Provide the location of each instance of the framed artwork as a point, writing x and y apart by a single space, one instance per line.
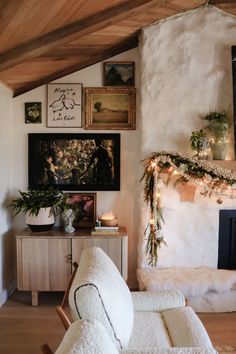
118 73
84 207
110 108
64 105
74 162
33 112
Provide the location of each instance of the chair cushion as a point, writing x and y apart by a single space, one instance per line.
185 328
99 292
85 337
149 331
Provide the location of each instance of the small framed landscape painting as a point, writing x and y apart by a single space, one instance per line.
74 162
64 105
118 73
110 108
84 207
33 112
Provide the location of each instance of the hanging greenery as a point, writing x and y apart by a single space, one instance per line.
213 180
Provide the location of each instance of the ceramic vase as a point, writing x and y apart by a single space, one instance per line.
68 218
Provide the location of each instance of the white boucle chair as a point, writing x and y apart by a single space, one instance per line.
139 322
90 337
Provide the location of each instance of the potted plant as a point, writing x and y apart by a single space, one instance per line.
218 127
39 205
199 142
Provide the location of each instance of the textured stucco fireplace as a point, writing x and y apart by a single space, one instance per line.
186 70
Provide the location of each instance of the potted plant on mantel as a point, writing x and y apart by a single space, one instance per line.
39 206
218 126
199 142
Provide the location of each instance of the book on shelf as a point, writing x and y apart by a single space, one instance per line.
105 230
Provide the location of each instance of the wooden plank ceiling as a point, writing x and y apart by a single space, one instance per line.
41 41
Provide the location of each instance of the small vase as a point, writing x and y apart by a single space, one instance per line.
219 148
219 143
68 218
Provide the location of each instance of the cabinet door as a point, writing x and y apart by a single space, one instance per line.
43 264
111 246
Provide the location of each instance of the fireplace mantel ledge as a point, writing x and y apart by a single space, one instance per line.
230 164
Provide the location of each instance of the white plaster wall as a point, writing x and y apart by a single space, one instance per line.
6 239
186 70
122 203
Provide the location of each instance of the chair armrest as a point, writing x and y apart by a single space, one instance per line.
157 301
170 351
84 337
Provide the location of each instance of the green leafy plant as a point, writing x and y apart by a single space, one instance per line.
198 139
35 199
219 116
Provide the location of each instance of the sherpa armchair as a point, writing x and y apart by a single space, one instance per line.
111 319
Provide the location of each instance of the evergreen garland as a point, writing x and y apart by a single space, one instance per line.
213 180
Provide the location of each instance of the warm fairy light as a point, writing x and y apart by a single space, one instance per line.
153 164
151 221
158 194
175 173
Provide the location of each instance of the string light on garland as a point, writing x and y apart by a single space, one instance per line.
212 180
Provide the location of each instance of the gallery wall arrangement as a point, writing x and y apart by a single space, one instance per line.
110 107
77 161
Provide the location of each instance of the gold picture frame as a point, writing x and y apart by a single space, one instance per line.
110 108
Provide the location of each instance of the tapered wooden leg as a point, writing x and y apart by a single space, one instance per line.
34 298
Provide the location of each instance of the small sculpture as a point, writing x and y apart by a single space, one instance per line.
68 217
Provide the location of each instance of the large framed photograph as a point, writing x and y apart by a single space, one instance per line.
74 161
84 207
64 105
118 73
110 108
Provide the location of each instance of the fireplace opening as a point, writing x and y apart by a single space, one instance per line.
227 239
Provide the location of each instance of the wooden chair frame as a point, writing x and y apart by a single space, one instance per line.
61 309
45 349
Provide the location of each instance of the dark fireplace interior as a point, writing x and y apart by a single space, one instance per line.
227 240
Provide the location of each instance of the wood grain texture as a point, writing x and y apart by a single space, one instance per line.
111 246
43 41
43 264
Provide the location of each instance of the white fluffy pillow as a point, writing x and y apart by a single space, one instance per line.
99 292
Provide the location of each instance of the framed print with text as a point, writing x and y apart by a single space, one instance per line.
64 105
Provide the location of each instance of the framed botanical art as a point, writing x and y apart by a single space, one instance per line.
74 162
118 73
110 108
33 112
84 207
64 105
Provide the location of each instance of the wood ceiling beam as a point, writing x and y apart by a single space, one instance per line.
120 47
73 31
221 2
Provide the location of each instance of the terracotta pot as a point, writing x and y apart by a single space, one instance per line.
43 221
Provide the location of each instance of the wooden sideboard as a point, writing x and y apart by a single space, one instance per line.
44 259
